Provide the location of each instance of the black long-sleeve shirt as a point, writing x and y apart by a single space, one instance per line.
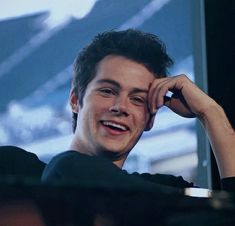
74 168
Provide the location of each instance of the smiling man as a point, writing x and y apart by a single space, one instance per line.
119 84
115 111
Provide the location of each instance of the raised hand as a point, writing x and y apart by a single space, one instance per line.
187 99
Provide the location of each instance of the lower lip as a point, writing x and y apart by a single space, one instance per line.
113 131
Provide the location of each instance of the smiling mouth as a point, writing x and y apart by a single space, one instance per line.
115 126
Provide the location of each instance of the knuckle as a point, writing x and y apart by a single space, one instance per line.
183 76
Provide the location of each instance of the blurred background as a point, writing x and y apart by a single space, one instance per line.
38 43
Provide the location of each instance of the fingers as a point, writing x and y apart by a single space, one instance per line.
159 88
187 99
156 95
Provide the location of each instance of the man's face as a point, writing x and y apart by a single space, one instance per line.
115 109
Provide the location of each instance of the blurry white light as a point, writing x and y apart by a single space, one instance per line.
4 137
15 110
198 192
64 127
30 118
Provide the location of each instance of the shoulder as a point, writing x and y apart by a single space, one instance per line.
16 162
72 167
165 179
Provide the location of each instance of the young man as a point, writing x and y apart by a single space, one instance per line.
119 84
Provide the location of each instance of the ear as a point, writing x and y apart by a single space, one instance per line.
73 100
150 122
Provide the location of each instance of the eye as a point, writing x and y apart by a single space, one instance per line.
107 91
137 100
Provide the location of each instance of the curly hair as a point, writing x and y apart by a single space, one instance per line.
144 48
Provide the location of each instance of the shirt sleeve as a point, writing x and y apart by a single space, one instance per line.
165 179
228 184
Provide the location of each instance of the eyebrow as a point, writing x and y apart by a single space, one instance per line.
113 82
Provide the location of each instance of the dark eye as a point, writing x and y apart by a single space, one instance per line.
107 91
138 100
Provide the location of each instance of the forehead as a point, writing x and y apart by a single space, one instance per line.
126 72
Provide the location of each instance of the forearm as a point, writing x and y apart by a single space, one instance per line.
222 138
190 101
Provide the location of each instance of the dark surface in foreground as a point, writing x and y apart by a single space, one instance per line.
67 206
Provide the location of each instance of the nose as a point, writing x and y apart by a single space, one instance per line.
120 106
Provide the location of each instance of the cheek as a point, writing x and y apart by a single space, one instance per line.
142 119
94 114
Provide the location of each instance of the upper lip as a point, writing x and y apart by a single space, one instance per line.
121 124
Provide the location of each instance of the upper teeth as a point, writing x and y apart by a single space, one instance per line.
114 125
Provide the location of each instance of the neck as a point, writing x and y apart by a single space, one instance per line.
119 163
